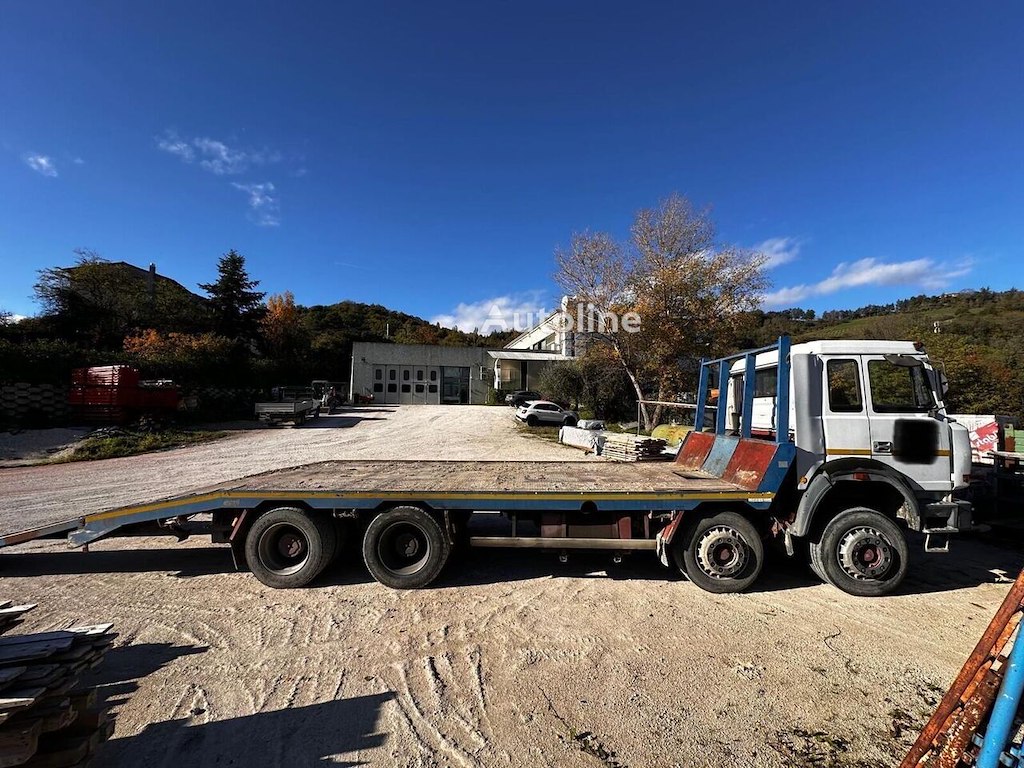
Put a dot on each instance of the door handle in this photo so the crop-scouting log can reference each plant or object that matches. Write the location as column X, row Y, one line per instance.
column 881, row 446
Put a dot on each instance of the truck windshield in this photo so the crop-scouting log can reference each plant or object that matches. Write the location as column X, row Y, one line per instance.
column 899, row 389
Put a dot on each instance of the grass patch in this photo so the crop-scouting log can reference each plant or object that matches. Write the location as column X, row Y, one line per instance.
column 133, row 443
column 543, row 433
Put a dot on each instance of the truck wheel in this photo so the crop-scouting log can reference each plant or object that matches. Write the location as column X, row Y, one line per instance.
column 287, row 547
column 862, row 552
column 405, row 548
column 721, row 553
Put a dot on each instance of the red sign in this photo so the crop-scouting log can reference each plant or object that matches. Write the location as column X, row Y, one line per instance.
column 984, row 438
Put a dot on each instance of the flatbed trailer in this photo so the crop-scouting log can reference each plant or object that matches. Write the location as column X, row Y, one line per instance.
column 629, row 503
column 707, row 513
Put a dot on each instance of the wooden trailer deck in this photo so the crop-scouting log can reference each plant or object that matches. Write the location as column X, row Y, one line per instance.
column 502, row 477
column 466, row 485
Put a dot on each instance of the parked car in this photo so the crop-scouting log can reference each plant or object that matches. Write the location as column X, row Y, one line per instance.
column 521, row 397
column 539, row 412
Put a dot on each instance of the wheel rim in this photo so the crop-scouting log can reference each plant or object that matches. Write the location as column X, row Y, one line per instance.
column 283, row 549
column 404, row 548
column 722, row 553
column 865, row 554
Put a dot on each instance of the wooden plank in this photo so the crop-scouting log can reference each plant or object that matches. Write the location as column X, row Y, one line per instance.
column 40, row 674
column 15, row 610
column 17, row 745
column 71, row 635
column 10, row 675
column 17, row 655
column 20, row 698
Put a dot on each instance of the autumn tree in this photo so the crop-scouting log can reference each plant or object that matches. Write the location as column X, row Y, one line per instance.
column 281, row 326
column 688, row 291
column 235, row 306
column 185, row 357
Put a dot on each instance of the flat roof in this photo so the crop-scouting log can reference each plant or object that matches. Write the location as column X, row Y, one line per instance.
column 523, row 354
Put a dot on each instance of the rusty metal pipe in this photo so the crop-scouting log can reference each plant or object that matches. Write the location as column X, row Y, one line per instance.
column 1011, row 604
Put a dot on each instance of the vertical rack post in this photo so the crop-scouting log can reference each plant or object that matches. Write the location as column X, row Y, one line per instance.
column 702, row 397
column 782, row 393
column 723, row 396
column 749, row 376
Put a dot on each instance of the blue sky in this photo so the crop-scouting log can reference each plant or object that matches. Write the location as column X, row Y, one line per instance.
column 431, row 156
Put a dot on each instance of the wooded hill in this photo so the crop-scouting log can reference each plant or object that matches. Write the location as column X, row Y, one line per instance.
column 101, row 313
column 976, row 335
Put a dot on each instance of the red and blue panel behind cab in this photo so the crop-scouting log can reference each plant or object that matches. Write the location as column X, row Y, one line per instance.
column 754, row 465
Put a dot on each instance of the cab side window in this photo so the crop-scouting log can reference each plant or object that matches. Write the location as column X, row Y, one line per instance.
column 844, row 392
column 898, row 389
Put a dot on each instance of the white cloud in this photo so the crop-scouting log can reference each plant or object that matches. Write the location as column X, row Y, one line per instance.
column 213, row 155
column 263, row 203
column 779, row 250
column 516, row 311
column 41, row 164
column 78, row 161
column 171, row 144
column 924, row 273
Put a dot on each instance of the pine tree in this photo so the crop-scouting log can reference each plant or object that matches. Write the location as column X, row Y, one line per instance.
column 235, row 306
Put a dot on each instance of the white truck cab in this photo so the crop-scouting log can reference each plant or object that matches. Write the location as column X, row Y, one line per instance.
column 869, row 426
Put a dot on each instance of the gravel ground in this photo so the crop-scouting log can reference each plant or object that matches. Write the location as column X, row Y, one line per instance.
column 513, row 659
column 36, row 495
column 33, row 445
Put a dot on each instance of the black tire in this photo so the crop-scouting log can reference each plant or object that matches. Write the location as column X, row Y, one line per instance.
column 531, row 420
column 721, row 553
column 569, row 422
column 289, row 547
column 405, row 548
column 862, row 552
column 814, row 560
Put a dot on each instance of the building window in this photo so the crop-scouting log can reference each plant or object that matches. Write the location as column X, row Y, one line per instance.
column 406, row 388
column 419, row 389
column 378, row 374
column 391, row 375
column 419, row 375
column 392, row 387
column 378, row 387
column 405, row 375
column 433, row 375
column 432, row 388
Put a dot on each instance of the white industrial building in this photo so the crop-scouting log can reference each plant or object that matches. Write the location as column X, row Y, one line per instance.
column 432, row 375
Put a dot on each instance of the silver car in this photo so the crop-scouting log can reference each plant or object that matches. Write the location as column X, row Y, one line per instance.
column 538, row 412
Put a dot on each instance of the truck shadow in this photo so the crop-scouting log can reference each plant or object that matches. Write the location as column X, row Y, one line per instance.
column 182, row 562
column 969, row 563
column 339, row 421
column 294, row 736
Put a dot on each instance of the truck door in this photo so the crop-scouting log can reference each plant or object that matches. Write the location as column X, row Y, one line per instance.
column 843, row 410
column 906, row 432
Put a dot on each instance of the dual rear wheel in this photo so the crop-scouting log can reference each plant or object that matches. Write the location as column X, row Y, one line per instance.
column 720, row 553
column 288, row 547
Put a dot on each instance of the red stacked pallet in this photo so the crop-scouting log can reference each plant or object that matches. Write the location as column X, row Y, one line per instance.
column 114, row 394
